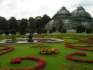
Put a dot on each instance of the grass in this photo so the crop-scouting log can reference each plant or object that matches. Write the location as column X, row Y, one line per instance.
column 54, row 62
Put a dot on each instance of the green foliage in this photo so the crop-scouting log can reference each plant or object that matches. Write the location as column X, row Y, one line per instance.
column 80, row 29
column 89, row 30
column 31, row 25
column 4, row 28
column 23, row 26
column 13, row 25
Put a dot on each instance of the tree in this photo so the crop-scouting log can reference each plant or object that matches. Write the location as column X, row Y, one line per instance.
column 23, row 26
column 39, row 25
column 13, row 26
column 4, row 27
column 88, row 30
column 63, row 30
column 31, row 25
column 45, row 19
column 80, row 29
column 31, row 28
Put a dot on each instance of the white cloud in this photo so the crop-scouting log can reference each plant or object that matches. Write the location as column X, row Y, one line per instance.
column 27, row 8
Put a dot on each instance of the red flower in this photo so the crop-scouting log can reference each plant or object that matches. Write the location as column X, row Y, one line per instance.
column 16, row 60
column 72, row 57
column 40, row 63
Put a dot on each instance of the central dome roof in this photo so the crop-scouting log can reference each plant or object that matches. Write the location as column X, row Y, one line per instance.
column 63, row 11
column 80, row 12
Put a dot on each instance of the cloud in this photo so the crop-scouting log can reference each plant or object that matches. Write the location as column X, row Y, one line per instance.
column 27, row 8
column 86, row 2
column 1, row 1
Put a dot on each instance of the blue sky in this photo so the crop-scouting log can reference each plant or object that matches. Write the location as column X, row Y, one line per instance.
column 26, row 8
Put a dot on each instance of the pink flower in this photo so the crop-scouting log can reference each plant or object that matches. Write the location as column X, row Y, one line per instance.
column 16, row 60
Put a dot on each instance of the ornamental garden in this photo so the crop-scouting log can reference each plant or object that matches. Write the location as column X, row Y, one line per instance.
column 55, row 51
column 63, row 42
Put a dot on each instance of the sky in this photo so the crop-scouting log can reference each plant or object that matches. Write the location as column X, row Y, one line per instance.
column 32, row 8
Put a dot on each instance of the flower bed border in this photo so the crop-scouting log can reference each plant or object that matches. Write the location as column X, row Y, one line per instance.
column 72, row 57
column 40, row 63
column 74, row 47
column 6, row 49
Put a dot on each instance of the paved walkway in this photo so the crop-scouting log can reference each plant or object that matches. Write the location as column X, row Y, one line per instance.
column 35, row 40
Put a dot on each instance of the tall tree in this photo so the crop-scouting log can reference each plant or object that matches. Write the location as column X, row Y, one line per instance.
column 89, row 30
column 23, row 26
column 38, row 22
column 80, row 28
column 13, row 26
column 4, row 27
column 32, row 25
column 45, row 20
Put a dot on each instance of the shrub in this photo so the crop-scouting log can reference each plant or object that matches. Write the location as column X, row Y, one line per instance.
column 49, row 51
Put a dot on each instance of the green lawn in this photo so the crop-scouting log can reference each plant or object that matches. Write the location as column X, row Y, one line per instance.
column 53, row 62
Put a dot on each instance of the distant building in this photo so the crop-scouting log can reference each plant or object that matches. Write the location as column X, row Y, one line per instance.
column 63, row 20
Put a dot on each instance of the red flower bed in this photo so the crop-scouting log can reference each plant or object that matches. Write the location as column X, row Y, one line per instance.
column 71, row 56
column 6, row 68
column 74, row 47
column 16, row 60
column 6, row 50
column 40, row 63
